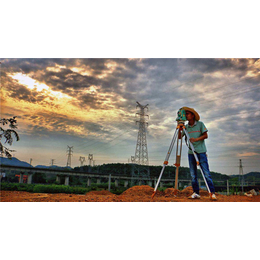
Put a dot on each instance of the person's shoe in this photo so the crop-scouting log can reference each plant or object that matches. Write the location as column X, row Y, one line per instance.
column 213, row 197
column 194, row 196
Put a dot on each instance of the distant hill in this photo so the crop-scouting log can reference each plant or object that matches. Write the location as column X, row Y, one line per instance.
column 44, row 166
column 52, row 167
column 14, row 162
column 251, row 176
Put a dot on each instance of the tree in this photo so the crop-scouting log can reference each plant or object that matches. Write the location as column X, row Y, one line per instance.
column 8, row 135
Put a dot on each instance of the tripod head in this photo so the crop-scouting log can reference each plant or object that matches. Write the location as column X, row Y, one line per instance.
column 181, row 115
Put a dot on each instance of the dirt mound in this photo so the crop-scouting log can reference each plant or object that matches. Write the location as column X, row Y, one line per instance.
column 142, row 190
column 188, row 191
column 204, row 193
column 100, row 192
column 171, row 192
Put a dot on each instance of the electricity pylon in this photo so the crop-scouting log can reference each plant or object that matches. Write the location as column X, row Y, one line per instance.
column 52, row 162
column 241, row 175
column 82, row 160
column 140, row 161
column 69, row 156
column 90, row 158
column 141, row 151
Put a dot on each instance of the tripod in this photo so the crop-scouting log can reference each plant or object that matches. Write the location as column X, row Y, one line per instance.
column 178, row 133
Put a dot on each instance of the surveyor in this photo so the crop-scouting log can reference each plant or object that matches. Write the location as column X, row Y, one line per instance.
column 198, row 133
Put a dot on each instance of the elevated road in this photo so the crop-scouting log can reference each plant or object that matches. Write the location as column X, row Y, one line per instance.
column 29, row 171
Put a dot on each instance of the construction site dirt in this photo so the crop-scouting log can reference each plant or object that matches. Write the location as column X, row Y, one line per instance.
column 133, row 194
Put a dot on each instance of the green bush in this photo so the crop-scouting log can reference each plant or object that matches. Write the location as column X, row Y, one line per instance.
column 102, row 185
column 9, row 186
column 30, row 187
column 59, row 189
column 79, row 190
column 22, row 187
column 52, row 188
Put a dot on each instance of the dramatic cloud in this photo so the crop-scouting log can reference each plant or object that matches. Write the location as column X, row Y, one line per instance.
column 93, row 101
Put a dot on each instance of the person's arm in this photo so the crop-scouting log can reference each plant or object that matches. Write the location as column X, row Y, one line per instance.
column 202, row 137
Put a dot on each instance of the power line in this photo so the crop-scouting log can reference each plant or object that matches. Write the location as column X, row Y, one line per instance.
column 61, row 155
column 221, row 86
column 227, row 95
column 98, row 141
column 115, row 143
column 102, row 145
column 256, row 110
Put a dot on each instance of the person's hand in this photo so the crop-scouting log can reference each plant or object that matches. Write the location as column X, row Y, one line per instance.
column 193, row 140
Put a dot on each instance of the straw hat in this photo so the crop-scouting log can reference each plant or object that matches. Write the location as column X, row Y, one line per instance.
column 197, row 116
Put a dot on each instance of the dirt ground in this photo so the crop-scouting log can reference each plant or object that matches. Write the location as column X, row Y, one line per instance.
column 133, row 194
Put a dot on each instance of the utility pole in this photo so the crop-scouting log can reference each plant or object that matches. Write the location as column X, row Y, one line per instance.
column 90, row 158
column 82, row 160
column 69, row 155
column 241, row 175
column 141, row 151
column 52, row 162
column 31, row 161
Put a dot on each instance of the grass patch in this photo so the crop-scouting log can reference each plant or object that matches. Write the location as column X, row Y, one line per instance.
column 54, row 188
column 40, row 188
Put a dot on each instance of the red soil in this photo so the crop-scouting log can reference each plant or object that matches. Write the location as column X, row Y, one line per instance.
column 133, row 194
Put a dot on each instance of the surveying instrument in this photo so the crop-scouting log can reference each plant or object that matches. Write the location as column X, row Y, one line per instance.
column 179, row 132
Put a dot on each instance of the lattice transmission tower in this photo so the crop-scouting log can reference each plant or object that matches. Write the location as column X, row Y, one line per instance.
column 90, row 159
column 132, row 159
column 69, row 155
column 52, row 162
column 241, row 175
column 141, row 151
column 82, row 160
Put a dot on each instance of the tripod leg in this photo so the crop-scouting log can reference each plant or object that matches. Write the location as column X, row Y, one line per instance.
column 178, row 160
column 197, row 160
column 166, row 160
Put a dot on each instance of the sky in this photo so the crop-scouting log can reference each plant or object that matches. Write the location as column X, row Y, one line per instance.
column 90, row 104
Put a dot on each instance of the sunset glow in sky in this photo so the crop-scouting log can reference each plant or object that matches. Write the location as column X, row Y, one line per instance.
column 90, row 104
